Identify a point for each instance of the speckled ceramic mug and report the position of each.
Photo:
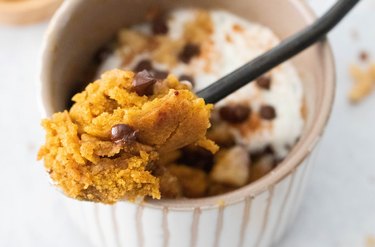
(255, 215)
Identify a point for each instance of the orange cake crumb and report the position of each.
(364, 82)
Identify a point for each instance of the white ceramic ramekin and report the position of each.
(255, 215)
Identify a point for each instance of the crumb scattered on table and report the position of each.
(364, 82)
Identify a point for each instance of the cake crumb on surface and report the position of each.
(364, 82)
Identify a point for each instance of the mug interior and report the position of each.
(81, 28)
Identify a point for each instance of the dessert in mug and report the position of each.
(122, 139)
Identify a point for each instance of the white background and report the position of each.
(339, 205)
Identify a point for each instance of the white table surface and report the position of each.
(339, 205)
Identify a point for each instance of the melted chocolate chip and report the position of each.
(197, 158)
(264, 82)
(159, 25)
(235, 113)
(143, 65)
(267, 112)
(187, 78)
(143, 83)
(123, 134)
(269, 150)
(188, 52)
(159, 74)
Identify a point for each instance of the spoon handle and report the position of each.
(282, 52)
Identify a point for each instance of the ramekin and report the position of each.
(255, 215)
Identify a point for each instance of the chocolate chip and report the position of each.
(143, 65)
(264, 82)
(235, 113)
(187, 78)
(269, 150)
(197, 157)
(159, 25)
(123, 134)
(267, 112)
(159, 74)
(188, 52)
(143, 83)
(176, 93)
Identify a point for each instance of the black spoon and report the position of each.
(285, 50)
